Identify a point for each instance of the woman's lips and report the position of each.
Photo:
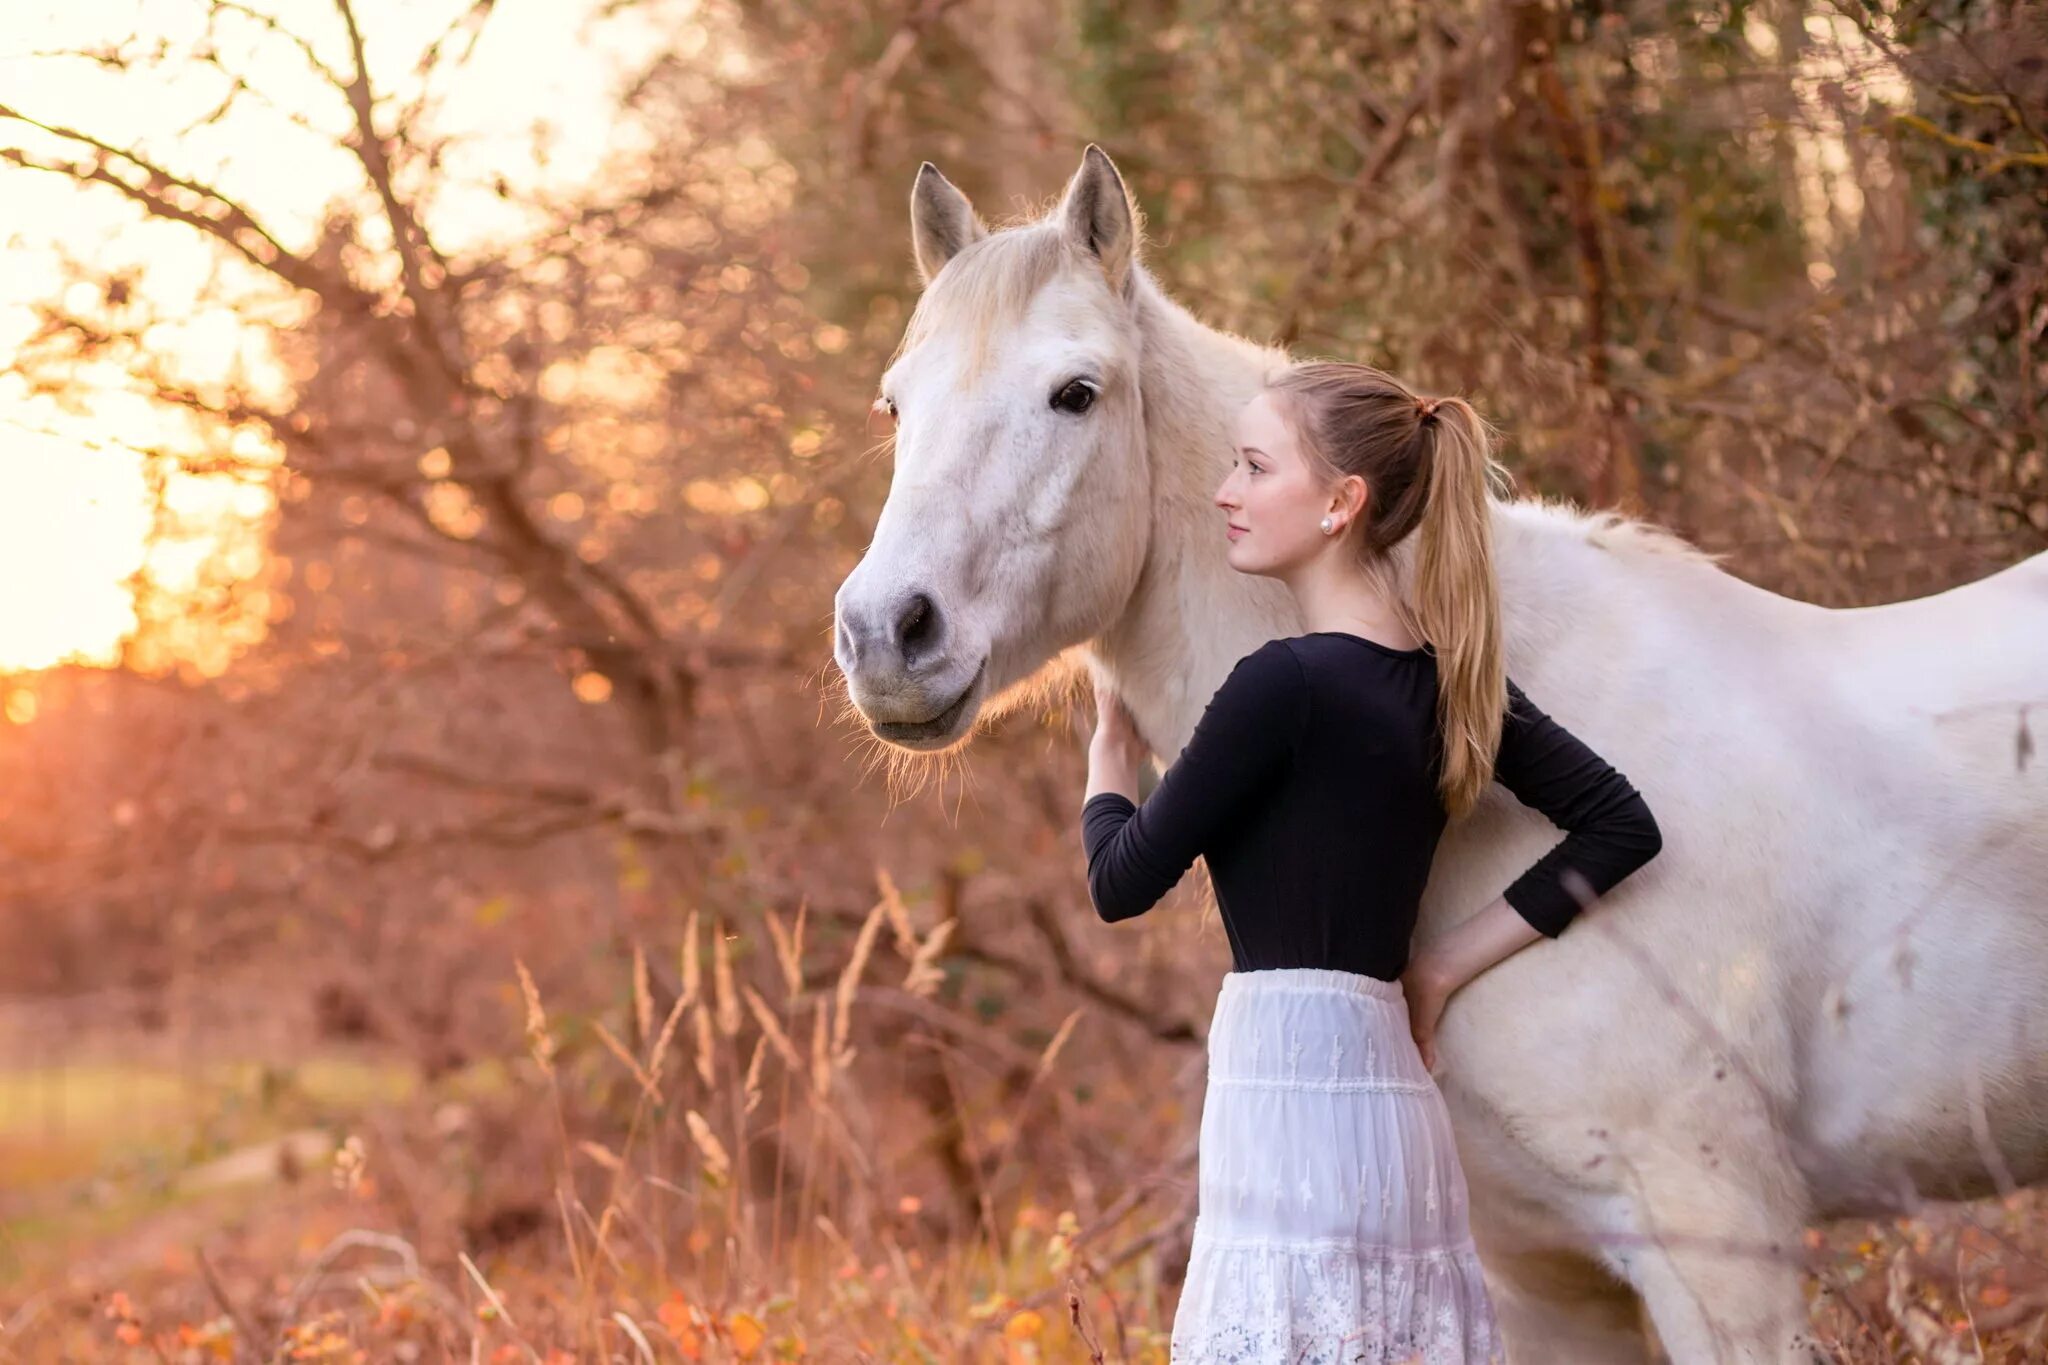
(1235, 532)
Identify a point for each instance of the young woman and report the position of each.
(1331, 1206)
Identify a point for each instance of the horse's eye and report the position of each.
(1076, 397)
(882, 417)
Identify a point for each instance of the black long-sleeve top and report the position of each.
(1309, 785)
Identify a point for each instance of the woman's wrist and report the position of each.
(1433, 969)
(1110, 769)
(1476, 944)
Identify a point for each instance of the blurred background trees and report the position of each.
(497, 459)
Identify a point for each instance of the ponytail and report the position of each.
(1457, 598)
(1430, 468)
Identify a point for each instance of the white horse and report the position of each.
(1825, 994)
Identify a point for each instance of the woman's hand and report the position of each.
(1437, 972)
(1116, 734)
(1427, 987)
(1116, 753)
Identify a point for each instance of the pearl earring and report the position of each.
(1328, 526)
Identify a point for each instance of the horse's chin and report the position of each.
(941, 730)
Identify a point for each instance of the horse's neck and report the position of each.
(1563, 598)
(1167, 660)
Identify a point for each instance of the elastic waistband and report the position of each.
(1311, 979)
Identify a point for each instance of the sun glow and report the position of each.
(82, 510)
(72, 527)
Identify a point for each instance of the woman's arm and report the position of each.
(1436, 971)
(1244, 741)
(1609, 833)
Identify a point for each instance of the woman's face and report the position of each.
(1271, 495)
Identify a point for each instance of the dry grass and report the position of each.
(713, 1169)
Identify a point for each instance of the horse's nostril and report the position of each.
(917, 624)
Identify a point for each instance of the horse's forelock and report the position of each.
(987, 287)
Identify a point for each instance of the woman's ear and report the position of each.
(1357, 496)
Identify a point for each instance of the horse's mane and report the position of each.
(1618, 532)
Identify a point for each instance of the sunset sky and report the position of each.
(73, 514)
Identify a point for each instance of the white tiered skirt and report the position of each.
(1331, 1221)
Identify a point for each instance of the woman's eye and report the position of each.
(1076, 397)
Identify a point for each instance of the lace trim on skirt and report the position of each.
(1247, 1304)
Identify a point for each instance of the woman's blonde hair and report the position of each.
(1428, 465)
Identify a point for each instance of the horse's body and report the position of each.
(1825, 992)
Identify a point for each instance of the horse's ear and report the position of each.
(1097, 216)
(942, 222)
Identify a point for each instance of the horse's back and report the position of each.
(1977, 647)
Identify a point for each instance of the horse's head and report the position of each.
(1016, 519)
